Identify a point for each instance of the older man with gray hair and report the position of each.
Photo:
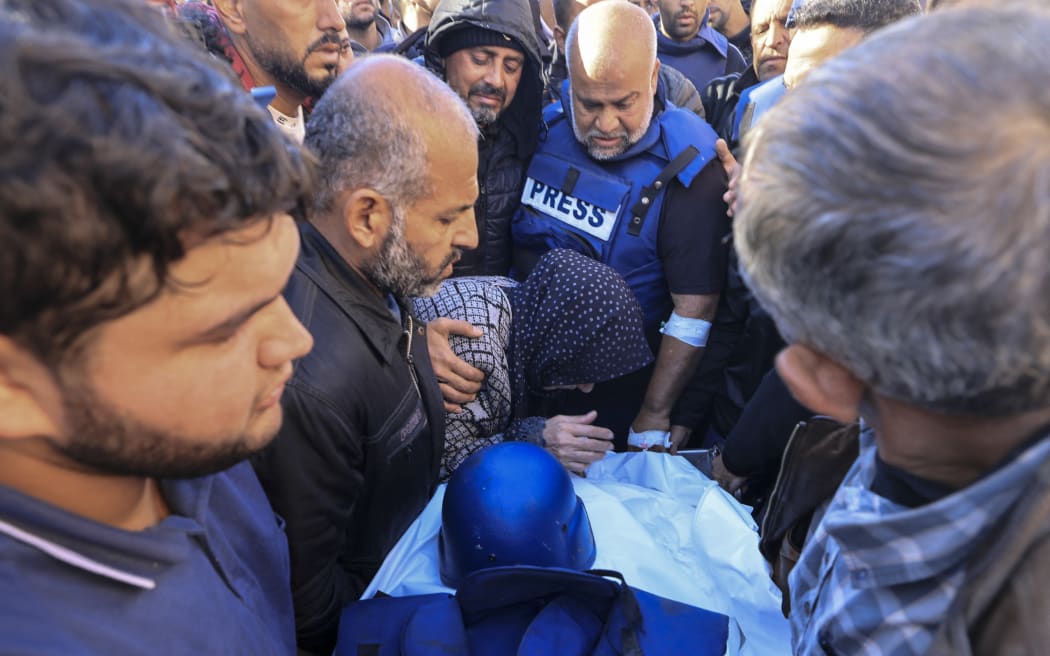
(357, 457)
(905, 259)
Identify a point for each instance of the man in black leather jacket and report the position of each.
(491, 55)
(357, 457)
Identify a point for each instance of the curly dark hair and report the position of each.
(122, 144)
(864, 15)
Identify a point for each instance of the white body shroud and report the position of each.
(666, 527)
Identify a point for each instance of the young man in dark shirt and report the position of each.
(144, 342)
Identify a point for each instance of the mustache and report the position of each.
(452, 258)
(486, 89)
(329, 38)
(595, 133)
(685, 12)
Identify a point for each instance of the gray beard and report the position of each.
(632, 137)
(397, 269)
(485, 117)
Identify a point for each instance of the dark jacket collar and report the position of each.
(355, 296)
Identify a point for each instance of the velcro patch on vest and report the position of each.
(575, 212)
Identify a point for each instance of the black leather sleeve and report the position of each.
(313, 475)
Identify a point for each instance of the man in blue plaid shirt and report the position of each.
(904, 256)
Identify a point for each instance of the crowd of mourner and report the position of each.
(272, 271)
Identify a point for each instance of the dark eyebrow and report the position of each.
(232, 323)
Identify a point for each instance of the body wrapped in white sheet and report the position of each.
(666, 527)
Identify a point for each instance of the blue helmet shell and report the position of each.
(512, 504)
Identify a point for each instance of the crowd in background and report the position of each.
(272, 270)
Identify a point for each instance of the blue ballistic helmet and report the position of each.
(512, 504)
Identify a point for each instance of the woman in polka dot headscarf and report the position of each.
(573, 323)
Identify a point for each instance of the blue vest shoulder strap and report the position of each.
(754, 102)
(683, 129)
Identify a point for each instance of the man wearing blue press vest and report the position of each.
(631, 180)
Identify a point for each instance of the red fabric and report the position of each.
(218, 38)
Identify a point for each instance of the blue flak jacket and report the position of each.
(572, 201)
(754, 102)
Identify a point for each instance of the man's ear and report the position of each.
(232, 14)
(367, 217)
(655, 77)
(821, 384)
(30, 401)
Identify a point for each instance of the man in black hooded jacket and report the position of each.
(491, 55)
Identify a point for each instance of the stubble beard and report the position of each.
(283, 67)
(399, 270)
(107, 440)
(354, 23)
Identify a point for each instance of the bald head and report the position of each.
(611, 88)
(399, 87)
(596, 40)
(565, 12)
(398, 181)
(384, 110)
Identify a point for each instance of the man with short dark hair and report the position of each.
(687, 43)
(822, 29)
(368, 29)
(299, 50)
(825, 28)
(912, 288)
(144, 343)
(357, 458)
(731, 20)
